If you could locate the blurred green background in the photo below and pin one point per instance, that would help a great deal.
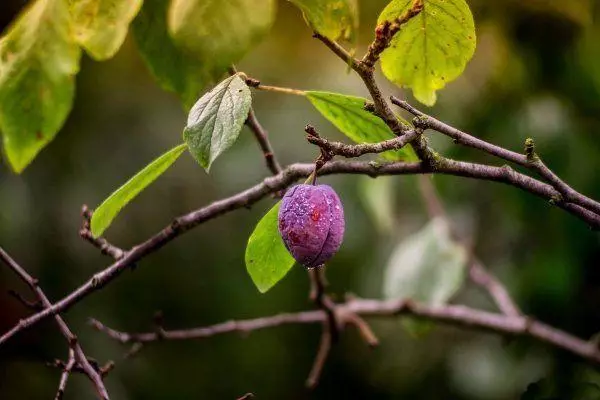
(535, 73)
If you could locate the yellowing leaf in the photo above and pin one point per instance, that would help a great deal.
(38, 61)
(331, 18)
(431, 49)
(108, 210)
(100, 26)
(219, 32)
(267, 259)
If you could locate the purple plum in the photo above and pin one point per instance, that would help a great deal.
(311, 223)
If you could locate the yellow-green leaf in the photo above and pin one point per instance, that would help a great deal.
(331, 18)
(431, 49)
(349, 116)
(100, 26)
(38, 60)
(174, 69)
(108, 210)
(219, 32)
(267, 259)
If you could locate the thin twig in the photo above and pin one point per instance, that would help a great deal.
(263, 141)
(463, 316)
(323, 301)
(357, 150)
(477, 272)
(62, 385)
(80, 356)
(497, 291)
(320, 358)
(363, 328)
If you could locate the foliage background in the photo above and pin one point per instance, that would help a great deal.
(536, 72)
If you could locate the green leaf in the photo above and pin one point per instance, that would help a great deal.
(108, 210)
(331, 18)
(215, 121)
(175, 70)
(428, 267)
(431, 49)
(219, 32)
(349, 116)
(100, 26)
(38, 61)
(377, 196)
(267, 259)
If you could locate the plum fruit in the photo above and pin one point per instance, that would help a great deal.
(311, 223)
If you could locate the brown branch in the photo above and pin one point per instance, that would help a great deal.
(74, 345)
(381, 107)
(477, 272)
(323, 301)
(321, 357)
(263, 141)
(530, 160)
(385, 32)
(467, 317)
(62, 385)
(357, 150)
(364, 329)
(497, 291)
(280, 181)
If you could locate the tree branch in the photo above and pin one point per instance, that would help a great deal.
(477, 272)
(530, 160)
(62, 385)
(263, 141)
(357, 150)
(462, 316)
(280, 181)
(74, 346)
(385, 32)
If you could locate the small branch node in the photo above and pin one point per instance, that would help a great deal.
(530, 150)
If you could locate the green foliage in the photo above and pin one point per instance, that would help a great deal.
(267, 259)
(431, 49)
(215, 121)
(108, 210)
(38, 60)
(377, 196)
(174, 69)
(428, 267)
(349, 116)
(331, 18)
(219, 32)
(100, 26)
